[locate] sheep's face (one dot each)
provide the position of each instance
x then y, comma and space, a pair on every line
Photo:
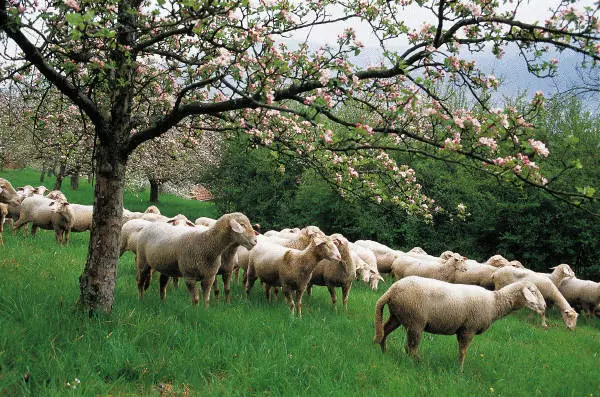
326, 249
446, 254
59, 206
498, 261
242, 231
57, 195
363, 274
152, 210
8, 194
570, 318
533, 298
516, 264
374, 280
563, 271
458, 262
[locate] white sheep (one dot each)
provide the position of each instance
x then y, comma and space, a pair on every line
56, 195
560, 273
440, 269
46, 214
582, 294
507, 275
366, 268
334, 274
385, 255
422, 304
189, 252
205, 221
8, 194
481, 273
152, 210
289, 268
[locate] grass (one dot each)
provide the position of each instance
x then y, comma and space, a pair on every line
249, 347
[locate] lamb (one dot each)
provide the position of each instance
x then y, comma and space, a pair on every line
56, 195
445, 270
46, 214
289, 268
336, 274
385, 255
507, 275
584, 294
189, 252
8, 194
438, 307
3, 213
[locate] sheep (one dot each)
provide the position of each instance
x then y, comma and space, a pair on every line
46, 214
205, 221
417, 250
152, 210
367, 266
336, 274
82, 217
189, 252
445, 270
41, 190
422, 304
56, 195
584, 294
289, 268
129, 233
3, 213
385, 255
481, 273
8, 194
508, 275
560, 273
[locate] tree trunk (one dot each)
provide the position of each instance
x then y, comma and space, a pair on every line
97, 283
60, 176
43, 175
154, 187
75, 180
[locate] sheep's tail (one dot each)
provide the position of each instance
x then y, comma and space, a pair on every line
381, 302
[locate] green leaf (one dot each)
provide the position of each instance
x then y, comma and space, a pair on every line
74, 18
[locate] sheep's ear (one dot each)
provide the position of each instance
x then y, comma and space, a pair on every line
235, 226
189, 223
378, 277
529, 296
318, 241
172, 221
52, 203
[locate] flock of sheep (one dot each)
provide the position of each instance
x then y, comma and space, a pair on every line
448, 294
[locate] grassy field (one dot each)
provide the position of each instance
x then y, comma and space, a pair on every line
248, 347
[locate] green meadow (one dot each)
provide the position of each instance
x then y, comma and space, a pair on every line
248, 347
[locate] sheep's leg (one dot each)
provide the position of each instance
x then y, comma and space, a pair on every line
464, 340
413, 338
164, 280
215, 287
176, 282
268, 292
276, 292
544, 324
206, 284
236, 272
143, 279
345, 292
249, 279
287, 292
309, 290
67, 233
299, 293
333, 296
390, 325
58, 237
227, 286
193, 290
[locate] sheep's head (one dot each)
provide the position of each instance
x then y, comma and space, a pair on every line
533, 297
41, 190
240, 226
180, 220
363, 274
152, 210
570, 318
326, 249
446, 254
516, 264
8, 194
498, 261
58, 195
457, 261
562, 272
59, 206
374, 280
417, 250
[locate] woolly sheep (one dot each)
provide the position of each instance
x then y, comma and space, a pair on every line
8, 194
440, 269
289, 268
385, 255
422, 304
507, 275
481, 273
560, 273
46, 214
152, 210
3, 213
336, 273
41, 190
189, 252
205, 221
417, 250
367, 266
56, 195
582, 294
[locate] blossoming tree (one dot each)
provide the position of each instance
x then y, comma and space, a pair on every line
138, 68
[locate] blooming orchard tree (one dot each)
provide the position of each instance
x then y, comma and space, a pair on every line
15, 138
138, 68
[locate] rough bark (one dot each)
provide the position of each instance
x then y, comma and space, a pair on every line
75, 180
59, 177
43, 174
154, 189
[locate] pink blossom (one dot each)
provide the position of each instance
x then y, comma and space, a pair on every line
539, 147
324, 76
489, 142
328, 137
72, 4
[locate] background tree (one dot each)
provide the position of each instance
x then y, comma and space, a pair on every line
228, 64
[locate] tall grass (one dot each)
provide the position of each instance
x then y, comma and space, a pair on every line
250, 347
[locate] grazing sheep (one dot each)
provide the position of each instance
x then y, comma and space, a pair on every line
152, 210
56, 195
3, 213
421, 304
189, 252
289, 268
560, 273
8, 194
336, 273
440, 269
367, 267
46, 214
507, 275
582, 294
385, 255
